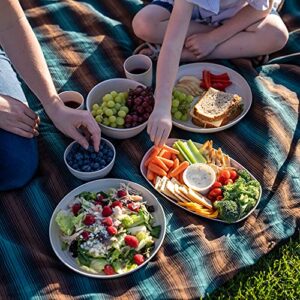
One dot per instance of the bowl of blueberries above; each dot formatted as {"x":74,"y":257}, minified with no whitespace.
{"x":89,"y":164}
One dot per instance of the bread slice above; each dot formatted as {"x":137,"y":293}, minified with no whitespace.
{"x":216,"y":108}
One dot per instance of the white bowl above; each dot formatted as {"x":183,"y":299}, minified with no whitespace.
{"x":96,"y":186}
{"x":198,"y":172}
{"x":86,"y":176}
{"x":105,"y":87}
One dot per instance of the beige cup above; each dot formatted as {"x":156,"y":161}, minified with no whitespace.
{"x":138,"y":67}
{"x":72,"y":99}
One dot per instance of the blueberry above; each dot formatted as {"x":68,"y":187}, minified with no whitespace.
{"x":102,"y":162}
{"x":86,"y":162}
{"x":80,"y":163}
{"x":96,"y":166}
{"x":93,"y":156}
{"x":78,"y":156}
{"x":85,"y":168}
{"x":75,"y":166}
{"x":86,"y":156}
{"x":100,"y":154}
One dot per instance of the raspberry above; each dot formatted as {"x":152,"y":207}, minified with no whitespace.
{"x":107,"y":221}
{"x":122,"y":193}
{"x":89,"y":220}
{"x":109,"y":270}
{"x":133,"y":207}
{"x":131,"y":241}
{"x":116,"y":203}
{"x":138,"y":259}
{"x":107,"y":211}
{"x":85,"y":235}
{"x":112,"y":230}
{"x":75,"y":208}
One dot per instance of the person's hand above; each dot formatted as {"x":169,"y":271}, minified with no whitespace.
{"x":200,"y":44}
{"x":159,"y":126}
{"x":18,"y":118}
{"x":77,"y":124}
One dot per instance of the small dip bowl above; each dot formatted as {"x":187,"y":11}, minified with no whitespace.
{"x":199,"y":177}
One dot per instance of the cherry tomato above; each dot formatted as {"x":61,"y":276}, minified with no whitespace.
{"x":229,"y":181}
{"x":217,"y":184}
{"x":225,"y":174}
{"x":109,"y":270}
{"x":233,"y":175}
{"x":216,"y":192}
{"x":219,"y":198}
{"x":209,"y":196}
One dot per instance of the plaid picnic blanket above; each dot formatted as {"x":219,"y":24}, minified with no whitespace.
{"x":86,"y":42}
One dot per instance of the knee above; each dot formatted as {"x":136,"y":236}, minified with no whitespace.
{"x":18,"y":160}
{"x":142,"y":27}
{"x":280,"y":37}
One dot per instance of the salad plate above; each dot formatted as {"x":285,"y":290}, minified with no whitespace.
{"x":245,"y":190}
{"x":238,"y":86}
{"x":107,"y":228}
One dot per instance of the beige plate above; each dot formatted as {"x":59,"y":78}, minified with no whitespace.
{"x":239,"y":86}
{"x":234,"y":163}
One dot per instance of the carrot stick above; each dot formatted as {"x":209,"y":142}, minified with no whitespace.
{"x":150,"y":175}
{"x":174,"y":156}
{"x":180,"y":175}
{"x":170,"y":149}
{"x":169,"y":163}
{"x":157,"y":170}
{"x":179,"y":169}
{"x":154,"y":152}
{"x":162,"y":152}
{"x":176,"y":164}
{"x":167,"y":155}
{"x":160,"y":163}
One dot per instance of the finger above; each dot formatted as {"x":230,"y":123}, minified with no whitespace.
{"x":149,"y":127}
{"x":27,"y":120}
{"x":79,"y":138}
{"x":93,"y":131}
{"x":158,"y":136}
{"x":35,"y":132}
{"x":165,"y":136}
{"x":153,"y":132}
{"x":25,"y":127}
{"x":38,"y":120}
{"x":29,"y":112}
{"x":22,"y":132}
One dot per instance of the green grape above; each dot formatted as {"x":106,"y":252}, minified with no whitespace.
{"x":122,"y":113}
{"x":120,"y":121}
{"x":189,"y":98}
{"x":114,"y":110}
{"x":182,"y":97}
{"x":125,"y":94}
{"x":175,"y":103}
{"x":112,"y":119}
{"x":105,"y":121}
{"x":184,"y":117}
{"x":94,"y":113}
{"x":118,"y":106}
{"x":109,"y":112}
{"x":176,"y":94}
{"x":120,"y":126}
{"x":98,"y":119}
{"x":119,"y":99}
{"x":108,"y":97}
{"x":99,"y":111}
{"x":95,"y":106}
{"x":110,"y":104}
{"x":178,"y":115}
{"x":174,"y":109}
{"x":113,"y":93}
{"x":114,"y":125}
{"x":125,"y":108}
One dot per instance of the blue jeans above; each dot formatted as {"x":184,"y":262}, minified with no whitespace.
{"x":18,"y":155}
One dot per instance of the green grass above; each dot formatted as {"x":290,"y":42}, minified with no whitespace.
{"x":275,"y":276}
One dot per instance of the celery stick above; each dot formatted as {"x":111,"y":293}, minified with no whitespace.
{"x":180,"y":156}
{"x":199,"y":157}
{"x":185,"y":149}
{"x":181,"y":152}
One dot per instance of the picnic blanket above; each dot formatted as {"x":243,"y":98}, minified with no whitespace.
{"x":86,"y":42}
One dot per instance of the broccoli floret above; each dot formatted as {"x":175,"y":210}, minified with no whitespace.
{"x":246,"y":204}
{"x":245,"y":175}
{"x":228,"y":210}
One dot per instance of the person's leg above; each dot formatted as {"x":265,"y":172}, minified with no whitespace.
{"x":18,"y":155}
{"x":264,"y":37}
{"x":150,"y":23}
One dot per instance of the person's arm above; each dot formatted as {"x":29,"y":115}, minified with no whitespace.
{"x":21,"y":46}
{"x":160,"y":123}
{"x":202,"y":44}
